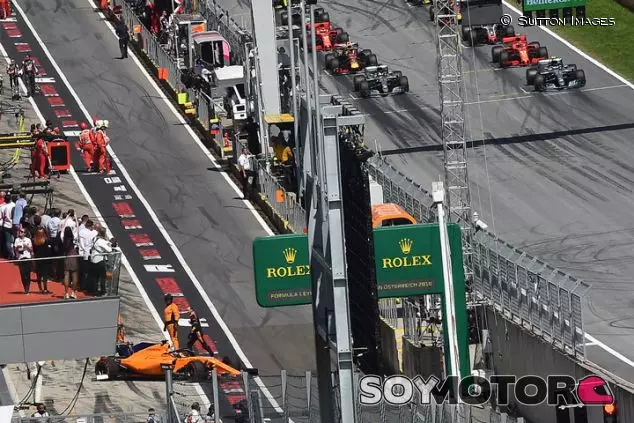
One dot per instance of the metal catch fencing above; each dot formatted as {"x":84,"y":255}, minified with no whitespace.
{"x":537,"y":296}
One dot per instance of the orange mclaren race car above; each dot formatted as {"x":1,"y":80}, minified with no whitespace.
{"x":517,"y":51}
{"x":146,"y":360}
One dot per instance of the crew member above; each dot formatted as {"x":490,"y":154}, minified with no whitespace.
{"x":101,"y":142}
{"x":123,"y":32}
{"x":39,"y":158}
{"x":172,"y":314}
{"x":5,"y":9}
{"x":14,"y":73}
{"x":30,"y":71}
{"x":120,"y":330}
{"x":196,"y":334}
{"x":85,"y":146}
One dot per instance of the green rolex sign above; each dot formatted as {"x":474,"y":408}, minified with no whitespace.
{"x":531,"y":5}
{"x":282,"y":271}
{"x":408,"y":259}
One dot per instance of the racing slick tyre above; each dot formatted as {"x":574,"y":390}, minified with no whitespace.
{"x":343,"y":37}
{"x":530,"y":76}
{"x":404,"y":83}
{"x":323,"y":17}
{"x":334,"y":64}
{"x":365,"y":53}
{"x":108,"y":367}
{"x":509,"y":31}
{"x":581,"y":77}
{"x":364,"y":89}
{"x":328,"y":59}
{"x":356,"y":82}
{"x":542,"y":53}
{"x":540,"y":83}
{"x":319,"y":11}
{"x":397,"y":74}
{"x":466,"y":33}
{"x":495,"y":53}
{"x":503,"y":58}
{"x":195,"y":371}
{"x":573,"y":68}
{"x":534,"y":44}
{"x":372,"y":60}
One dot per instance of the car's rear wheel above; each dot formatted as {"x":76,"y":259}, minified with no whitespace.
{"x":504,"y":57}
{"x":398,"y":74}
{"x":343,"y":37}
{"x":581,"y":77}
{"x":404,"y":83}
{"x":109,"y":367}
{"x":509,"y":31}
{"x":334,"y":64}
{"x":328,"y":59}
{"x":365,"y":53}
{"x":542,"y":53}
{"x":534,"y":44}
{"x":372,"y":60}
{"x":195,"y":371}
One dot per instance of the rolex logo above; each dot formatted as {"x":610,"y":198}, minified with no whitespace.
{"x":406,"y":245}
{"x":289,"y":255}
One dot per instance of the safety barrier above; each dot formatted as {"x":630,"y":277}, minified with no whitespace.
{"x":533,"y":294}
{"x":48,"y":273}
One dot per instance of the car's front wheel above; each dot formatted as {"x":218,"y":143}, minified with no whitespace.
{"x":195,"y":371}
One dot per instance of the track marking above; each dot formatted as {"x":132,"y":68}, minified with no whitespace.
{"x":546,"y":94}
{"x":575,"y":49}
{"x":214,"y":311}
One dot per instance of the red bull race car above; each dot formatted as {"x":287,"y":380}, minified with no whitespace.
{"x":346,"y":59}
{"x":517,"y":51}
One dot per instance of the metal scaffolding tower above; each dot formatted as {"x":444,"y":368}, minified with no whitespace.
{"x":452,"y":114}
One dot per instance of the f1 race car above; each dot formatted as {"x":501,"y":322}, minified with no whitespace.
{"x":145,"y":360}
{"x":486,"y":34}
{"x":326,"y":36}
{"x":445,"y":21}
{"x":379,"y":80}
{"x":552,"y":73}
{"x":320,"y":15}
{"x":517,"y":51}
{"x":346,"y":59}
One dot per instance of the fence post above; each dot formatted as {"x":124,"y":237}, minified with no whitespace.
{"x":284,"y":395}
{"x":214,"y":377}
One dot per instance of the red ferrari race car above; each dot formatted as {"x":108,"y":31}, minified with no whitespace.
{"x":486,"y":34}
{"x":326,"y":36}
{"x":346,"y":59}
{"x":517,"y":51}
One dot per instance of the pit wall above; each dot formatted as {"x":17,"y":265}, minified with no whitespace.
{"x":515,"y":351}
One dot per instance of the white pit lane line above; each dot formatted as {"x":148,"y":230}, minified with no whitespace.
{"x":179,"y":256}
{"x":533,"y":94}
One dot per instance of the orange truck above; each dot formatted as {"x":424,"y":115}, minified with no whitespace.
{"x":390,"y":214}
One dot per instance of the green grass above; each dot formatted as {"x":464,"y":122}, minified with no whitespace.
{"x":609,"y":45}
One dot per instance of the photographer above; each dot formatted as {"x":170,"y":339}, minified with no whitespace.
{"x":23,"y":250}
{"x":99,"y":255}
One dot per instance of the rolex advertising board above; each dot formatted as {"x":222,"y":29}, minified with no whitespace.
{"x":408,"y":259}
{"x":532,"y":5}
{"x":282,"y":270}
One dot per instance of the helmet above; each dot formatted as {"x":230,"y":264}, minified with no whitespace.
{"x":105,"y":123}
{"x":168,"y":297}
{"x":98,"y":124}
{"x":83,"y":126}
{"x":192,"y":315}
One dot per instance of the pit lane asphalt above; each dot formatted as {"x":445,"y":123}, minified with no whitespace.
{"x":212,"y":228}
{"x":563,"y":196}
